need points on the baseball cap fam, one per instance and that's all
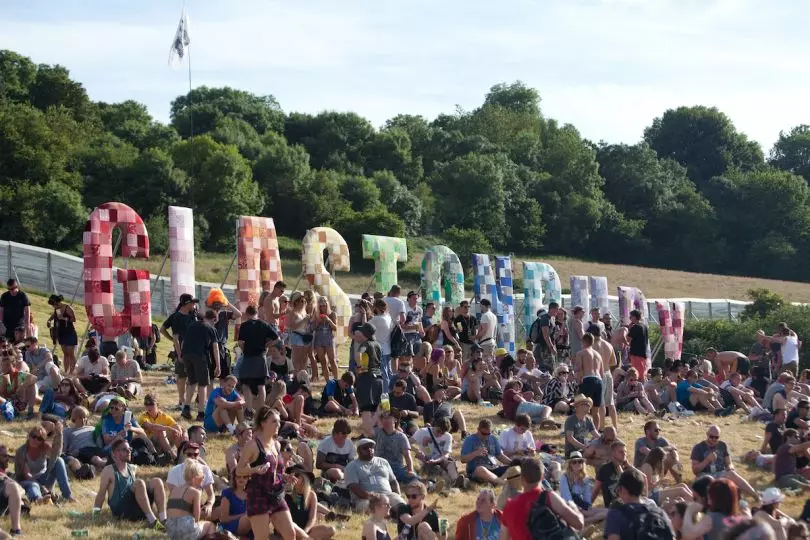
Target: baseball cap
(366, 442)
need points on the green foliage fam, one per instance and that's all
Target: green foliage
(205, 107)
(792, 151)
(465, 242)
(763, 303)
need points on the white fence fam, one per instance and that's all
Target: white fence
(54, 272)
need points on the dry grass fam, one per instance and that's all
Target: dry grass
(655, 282)
(58, 522)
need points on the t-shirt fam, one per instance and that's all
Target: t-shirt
(221, 328)
(701, 450)
(374, 475)
(175, 476)
(608, 476)
(682, 391)
(784, 462)
(515, 515)
(434, 410)
(36, 360)
(776, 435)
(256, 333)
(790, 350)
(395, 306)
(87, 368)
(179, 323)
(543, 321)
(14, 309)
(369, 357)
(200, 335)
(510, 403)
(432, 519)
(773, 389)
(337, 455)
(465, 326)
(638, 340)
(621, 521)
(74, 439)
(413, 315)
(382, 332)
(582, 430)
(488, 318)
(423, 439)
(130, 371)
(391, 446)
(644, 442)
(111, 428)
(211, 404)
(473, 443)
(162, 419)
(512, 441)
(333, 390)
(405, 402)
(492, 528)
(791, 419)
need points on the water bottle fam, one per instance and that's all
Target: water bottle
(385, 403)
(443, 526)
(8, 411)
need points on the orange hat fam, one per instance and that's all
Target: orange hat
(216, 296)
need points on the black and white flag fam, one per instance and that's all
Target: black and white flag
(182, 40)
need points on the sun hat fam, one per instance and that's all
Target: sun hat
(772, 495)
(580, 399)
(575, 455)
(501, 352)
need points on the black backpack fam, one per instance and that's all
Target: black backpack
(544, 524)
(648, 523)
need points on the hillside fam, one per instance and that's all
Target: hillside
(655, 282)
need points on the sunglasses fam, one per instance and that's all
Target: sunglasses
(192, 454)
(35, 437)
(713, 437)
(484, 433)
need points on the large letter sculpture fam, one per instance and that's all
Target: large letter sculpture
(671, 322)
(259, 260)
(498, 290)
(579, 292)
(386, 252)
(97, 249)
(315, 241)
(541, 285)
(181, 251)
(599, 294)
(631, 298)
(441, 268)
(678, 309)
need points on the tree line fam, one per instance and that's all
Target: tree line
(693, 194)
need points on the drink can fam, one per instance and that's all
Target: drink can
(443, 526)
(80, 532)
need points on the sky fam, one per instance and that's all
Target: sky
(609, 67)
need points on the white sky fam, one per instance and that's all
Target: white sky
(607, 66)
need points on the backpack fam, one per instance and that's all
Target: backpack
(648, 523)
(544, 524)
(535, 336)
(399, 344)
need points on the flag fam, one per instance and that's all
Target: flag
(182, 40)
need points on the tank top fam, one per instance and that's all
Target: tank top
(179, 503)
(122, 486)
(298, 512)
(790, 350)
(238, 506)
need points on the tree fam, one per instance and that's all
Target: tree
(703, 140)
(131, 122)
(400, 201)
(104, 164)
(50, 214)
(17, 75)
(334, 140)
(792, 151)
(235, 131)
(206, 106)
(53, 86)
(465, 242)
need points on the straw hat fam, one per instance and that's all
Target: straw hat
(580, 399)
(575, 456)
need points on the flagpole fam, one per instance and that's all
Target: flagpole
(191, 123)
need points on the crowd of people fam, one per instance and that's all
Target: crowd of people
(394, 415)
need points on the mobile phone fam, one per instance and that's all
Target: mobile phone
(127, 417)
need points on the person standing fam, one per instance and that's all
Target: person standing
(638, 340)
(200, 350)
(466, 325)
(577, 330)
(64, 319)
(271, 306)
(179, 321)
(487, 331)
(15, 309)
(609, 363)
(396, 310)
(225, 313)
(255, 337)
(789, 349)
(540, 335)
(383, 324)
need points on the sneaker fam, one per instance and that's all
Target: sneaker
(158, 526)
(726, 411)
(15, 532)
(186, 412)
(459, 483)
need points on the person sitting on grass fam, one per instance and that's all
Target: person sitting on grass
(18, 387)
(579, 426)
(652, 439)
(93, 372)
(787, 474)
(577, 488)
(713, 457)
(734, 392)
(177, 477)
(440, 407)
(483, 523)
(482, 452)
(303, 504)
(631, 397)
(368, 475)
(183, 507)
(113, 426)
(415, 519)
(597, 452)
(125, 375)
(335, 452)
(433, 446)
(653, 469)
(129, 498)
(59, 402)
(518, 440)
(393, 446)
(38, 464)
(232, 508)
(338, 396)
(695, 397)
(224, 408)
(164, 432)
(514, 403)
(560, 390)
(81, 453)
(376, 526)
(624, 522)
(11, 498)
(244, 435)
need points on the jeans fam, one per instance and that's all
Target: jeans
(49, 406)
(402, 475)
(57, 474)
(385, 368)
(534, 410)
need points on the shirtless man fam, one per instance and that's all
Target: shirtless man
(272, 307)
(609, 362)
(588, 362)
(724, 363)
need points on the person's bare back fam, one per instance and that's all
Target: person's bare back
(607, 353)
(590, 362)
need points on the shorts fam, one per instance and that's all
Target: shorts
(642, 364)
(211, 426)
(128, 508)
(607, 389)
(297, 340)
(592, 387)
(180, 369)
(197, 369)
(792, 367)
(254, 383)
(499, 470)
(183, 528)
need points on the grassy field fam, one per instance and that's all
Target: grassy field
(655, 282)
(58, 522)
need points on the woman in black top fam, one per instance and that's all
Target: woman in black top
(64, 331)
(303, 505)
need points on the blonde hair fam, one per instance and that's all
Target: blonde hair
(192, 469)
(632, 371)
(418, 486)
(570, 473)
(277, 390)
(79, 411)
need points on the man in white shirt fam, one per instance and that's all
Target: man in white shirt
(433, 446)
(518, 440)
(487, 330)
(790, 344)
(192, 451)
